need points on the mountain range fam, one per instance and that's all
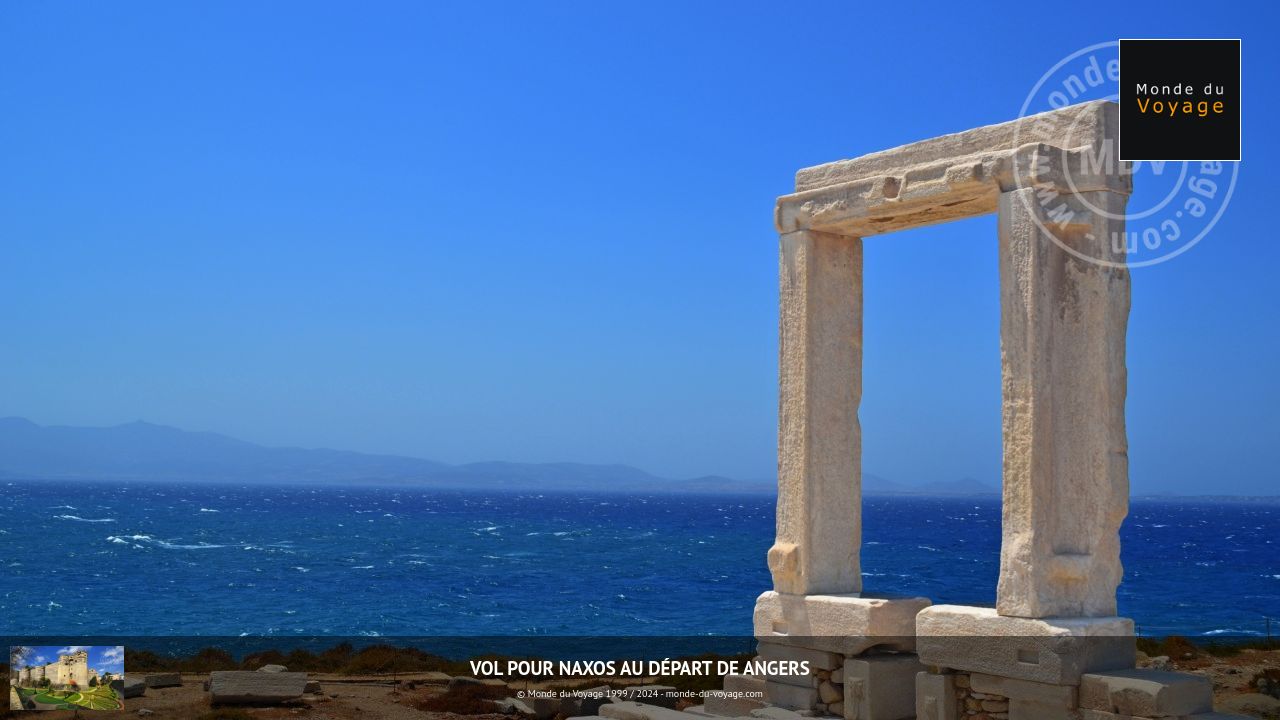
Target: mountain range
(150, 452)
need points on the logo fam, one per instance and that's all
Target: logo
(1174, 203)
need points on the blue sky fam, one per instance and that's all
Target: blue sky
(103, 658)
(543, 231)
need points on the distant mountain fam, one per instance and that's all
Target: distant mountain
(144, 451)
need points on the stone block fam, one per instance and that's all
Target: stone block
(1056, 651)
(1146, 693)
(593, 698)
(240, 687)
(770, 649)
(1085, 124)
(744, 684)
(1062, 338)
(935, 181)
(628, 710)
(313, 686)
(819, 511)
(791, 697)
(465, 681)
(840, 624)
(1036, 710)
(725, 705)
(164, 680)
(776, 713)
(881, 687)
(133, 687)
(1060, 695)
(513, 706)
(936, 697)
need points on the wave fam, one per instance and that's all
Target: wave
(209, 510)
(80, 519)
(165, 544)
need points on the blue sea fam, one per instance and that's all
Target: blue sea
(149, 559)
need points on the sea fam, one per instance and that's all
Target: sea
(138, 559)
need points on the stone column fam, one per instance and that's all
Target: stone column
(819, 516)
(1062, 345)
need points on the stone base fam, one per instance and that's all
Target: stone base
(1147, 693)
(1046, 650)
(842, 624)
(881, 687)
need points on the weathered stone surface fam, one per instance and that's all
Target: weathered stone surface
(313, 686)
(819, 521)
(906, 188)
(1062, 695)
(513, 706)
(842, 624)
(744, 683)
(627, 710)
(164, 680)
(1056, 651)
(593, 698)
(1072, 126)
(1035, 710)
(935, 697)
(273, 668)
(239, 687)
(880, 687)
(772, 648)
(776, 713)
(1148, 693)
(791, 697)
(133, 686)
(726, 706)
(661, 695)
(1066, 478)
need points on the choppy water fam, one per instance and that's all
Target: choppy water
(145, 559)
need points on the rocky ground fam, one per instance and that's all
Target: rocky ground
(1235, 677)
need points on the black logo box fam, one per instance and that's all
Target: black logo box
(1187, 68)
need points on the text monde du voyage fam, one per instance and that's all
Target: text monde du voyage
(1179, 99)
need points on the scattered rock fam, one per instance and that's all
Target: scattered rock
(1160, 662)
(1254, 704)
(512, 706)
(143, 712)
(313, 686)
(273, 668)
(465, 681)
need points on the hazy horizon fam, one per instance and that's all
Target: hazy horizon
(544, 234)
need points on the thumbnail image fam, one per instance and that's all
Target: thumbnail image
(77, 677)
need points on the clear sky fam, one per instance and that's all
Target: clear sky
(543, 231)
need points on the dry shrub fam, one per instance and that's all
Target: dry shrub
(464, 700)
